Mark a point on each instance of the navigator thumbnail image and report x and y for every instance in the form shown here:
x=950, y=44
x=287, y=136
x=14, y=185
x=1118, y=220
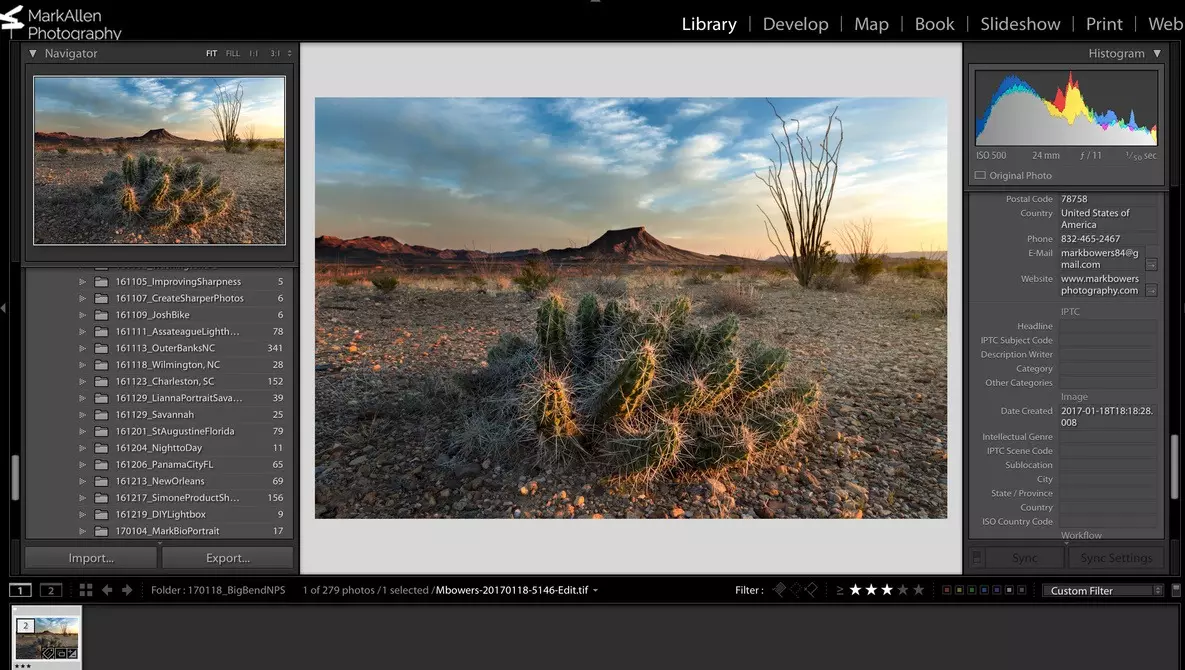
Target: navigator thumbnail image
x=159, y=160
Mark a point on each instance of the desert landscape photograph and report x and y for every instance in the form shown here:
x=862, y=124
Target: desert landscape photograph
x=51, y=638
x=158, y=160
x=603, y=308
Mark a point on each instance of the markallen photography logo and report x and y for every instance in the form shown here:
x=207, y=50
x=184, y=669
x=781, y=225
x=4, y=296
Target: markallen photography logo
x=11, y=22
x=68, y=24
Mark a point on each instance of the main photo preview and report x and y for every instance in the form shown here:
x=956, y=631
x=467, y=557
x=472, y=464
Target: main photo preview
x=660, y=287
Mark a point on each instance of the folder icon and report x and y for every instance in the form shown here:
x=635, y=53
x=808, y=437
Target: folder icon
x=101, y=482
x=100, y=431
x=100, y=315
x=101, y=364
x=100, y=348
x=101, y=415
x=101, y=282
x=101, y=464
x=100, y=531
x=101, y=382
x=101, y=515
x=100, y=331
x=101, y=448
x=101, y=498
x=101, y=398
x=101, y=299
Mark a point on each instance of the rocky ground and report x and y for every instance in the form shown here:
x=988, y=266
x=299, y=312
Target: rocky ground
x=64, y=211
x=386, y=408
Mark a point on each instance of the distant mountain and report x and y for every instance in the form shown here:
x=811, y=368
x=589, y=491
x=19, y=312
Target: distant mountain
x=154, y=136
x=627, y=245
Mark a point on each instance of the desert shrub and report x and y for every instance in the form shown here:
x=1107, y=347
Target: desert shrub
x=828, y=261
x=169, y=193
x=192, y=157
x=866, y=268
x=923, y=268
x=642, y=388
x=780, y=272
x=936, y=302
x=121, y=148
x=732, y=269
x=63, y=150
x=611, y=287
x=703, y=278
x=344, y=281
x=535, y=277
x=840, y=282
x=733, y=298
x=385, y=283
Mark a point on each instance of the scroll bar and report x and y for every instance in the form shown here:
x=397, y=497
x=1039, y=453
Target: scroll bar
x=16, y=478
x=1175, y=464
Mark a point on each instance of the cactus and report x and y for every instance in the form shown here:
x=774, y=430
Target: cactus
x=775, y=426
x=720, y=380
x=159, y=192
x=677, y=311
x=761, y=370
x=173, y=214
x=143, y=167
x=588, y=328
x=724, y=443
x=689, y=344
x=128, y=200
x=551, y=329
x=625, y=392
x=130, y=174
x=552, y=404
x=723, y=335
x=168, y=193
x=653, y=452
x=650, y=390
x=612, y=314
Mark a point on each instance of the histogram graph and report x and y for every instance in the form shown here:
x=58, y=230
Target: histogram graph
x=1060, y=108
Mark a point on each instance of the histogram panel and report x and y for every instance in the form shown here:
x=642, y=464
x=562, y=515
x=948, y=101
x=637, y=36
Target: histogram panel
x=1051, y=108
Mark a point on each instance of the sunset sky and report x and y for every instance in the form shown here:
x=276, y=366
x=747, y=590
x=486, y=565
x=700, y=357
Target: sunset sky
x=56, y=625
x=504, y=174
x=130, y=106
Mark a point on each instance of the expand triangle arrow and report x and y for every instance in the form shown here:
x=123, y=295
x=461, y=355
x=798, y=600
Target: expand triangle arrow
x=81, y=515
x=81, y=348
x=81, y=298
x=81, y=282
x=81, y=448
x=32, y=52
x=82, y=431
x=81, y=331
x=81, y=498
x=81, y=481
x=81, y=465
x=1157, y=52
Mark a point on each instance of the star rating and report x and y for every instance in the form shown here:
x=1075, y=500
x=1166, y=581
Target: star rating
x=855, y=589
x=871, y=590
x=888, y=590
x=901, y=590
x=917, y=590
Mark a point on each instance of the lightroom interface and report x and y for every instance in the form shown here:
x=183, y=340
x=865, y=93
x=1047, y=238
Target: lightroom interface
x=820, y=327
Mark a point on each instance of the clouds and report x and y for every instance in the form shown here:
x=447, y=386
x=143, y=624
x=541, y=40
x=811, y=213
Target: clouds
x=513, y=173
x=129, y=106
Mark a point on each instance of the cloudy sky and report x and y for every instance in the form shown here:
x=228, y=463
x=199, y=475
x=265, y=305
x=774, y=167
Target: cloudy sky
x=130, y=106
x=504, y=174
x=56, y=625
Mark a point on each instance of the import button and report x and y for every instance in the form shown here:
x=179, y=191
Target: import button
x=1026, y=558
x=1117, y=558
